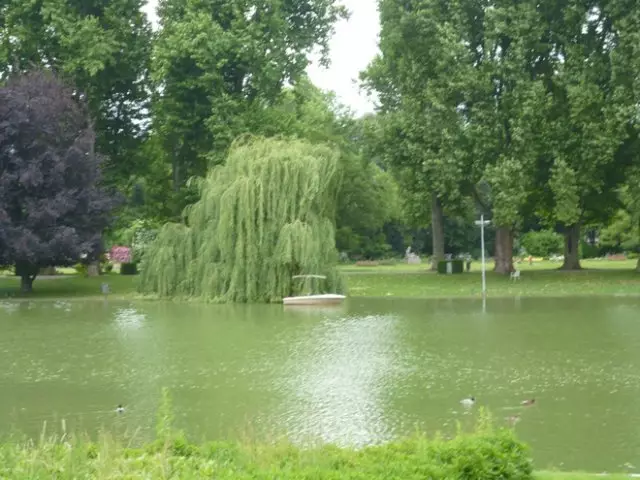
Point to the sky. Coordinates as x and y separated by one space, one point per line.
353 45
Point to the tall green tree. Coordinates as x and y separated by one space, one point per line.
594 106
543 96
416 79
505 105
264 216
102 47
368 196
216 60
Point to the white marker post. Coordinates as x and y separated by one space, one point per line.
482 223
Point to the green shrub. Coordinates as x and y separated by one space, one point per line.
543 243
81 268
457 266
108 267
589 251
129 269
486 455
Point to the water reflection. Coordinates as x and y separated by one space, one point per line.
9 307
338 381
129 318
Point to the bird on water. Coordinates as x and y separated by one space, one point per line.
467 402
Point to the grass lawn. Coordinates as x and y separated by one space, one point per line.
599 277
71 285
577 476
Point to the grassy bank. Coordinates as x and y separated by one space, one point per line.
71 286
486 454
599 277
577 476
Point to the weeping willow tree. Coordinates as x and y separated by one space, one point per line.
264 216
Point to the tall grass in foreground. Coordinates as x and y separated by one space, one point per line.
483 454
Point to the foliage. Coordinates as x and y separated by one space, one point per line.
368 200
100 47
368 197
138 234
217 63
51 208
534 99
452 105
129 268
486 453
542 244
264 217
588 250
81 269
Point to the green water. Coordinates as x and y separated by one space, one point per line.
366 372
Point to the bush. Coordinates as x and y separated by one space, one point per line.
81 269
589 251
543 243
486 455
129 269
457 266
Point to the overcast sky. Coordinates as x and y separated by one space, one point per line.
353 46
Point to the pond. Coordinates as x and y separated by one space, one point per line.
366 372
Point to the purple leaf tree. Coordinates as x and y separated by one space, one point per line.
52 209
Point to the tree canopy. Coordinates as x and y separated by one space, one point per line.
526 112
217 63
263 217
51 208
102 48
536 100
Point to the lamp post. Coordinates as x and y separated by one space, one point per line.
482 222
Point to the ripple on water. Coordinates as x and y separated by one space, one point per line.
129 318
9 307
337 381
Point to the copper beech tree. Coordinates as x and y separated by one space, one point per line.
52 209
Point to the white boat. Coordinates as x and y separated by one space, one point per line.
319 299
325 299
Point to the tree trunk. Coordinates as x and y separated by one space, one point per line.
27 274
504 251
571 248
93 270
437 231
638 266
26 283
